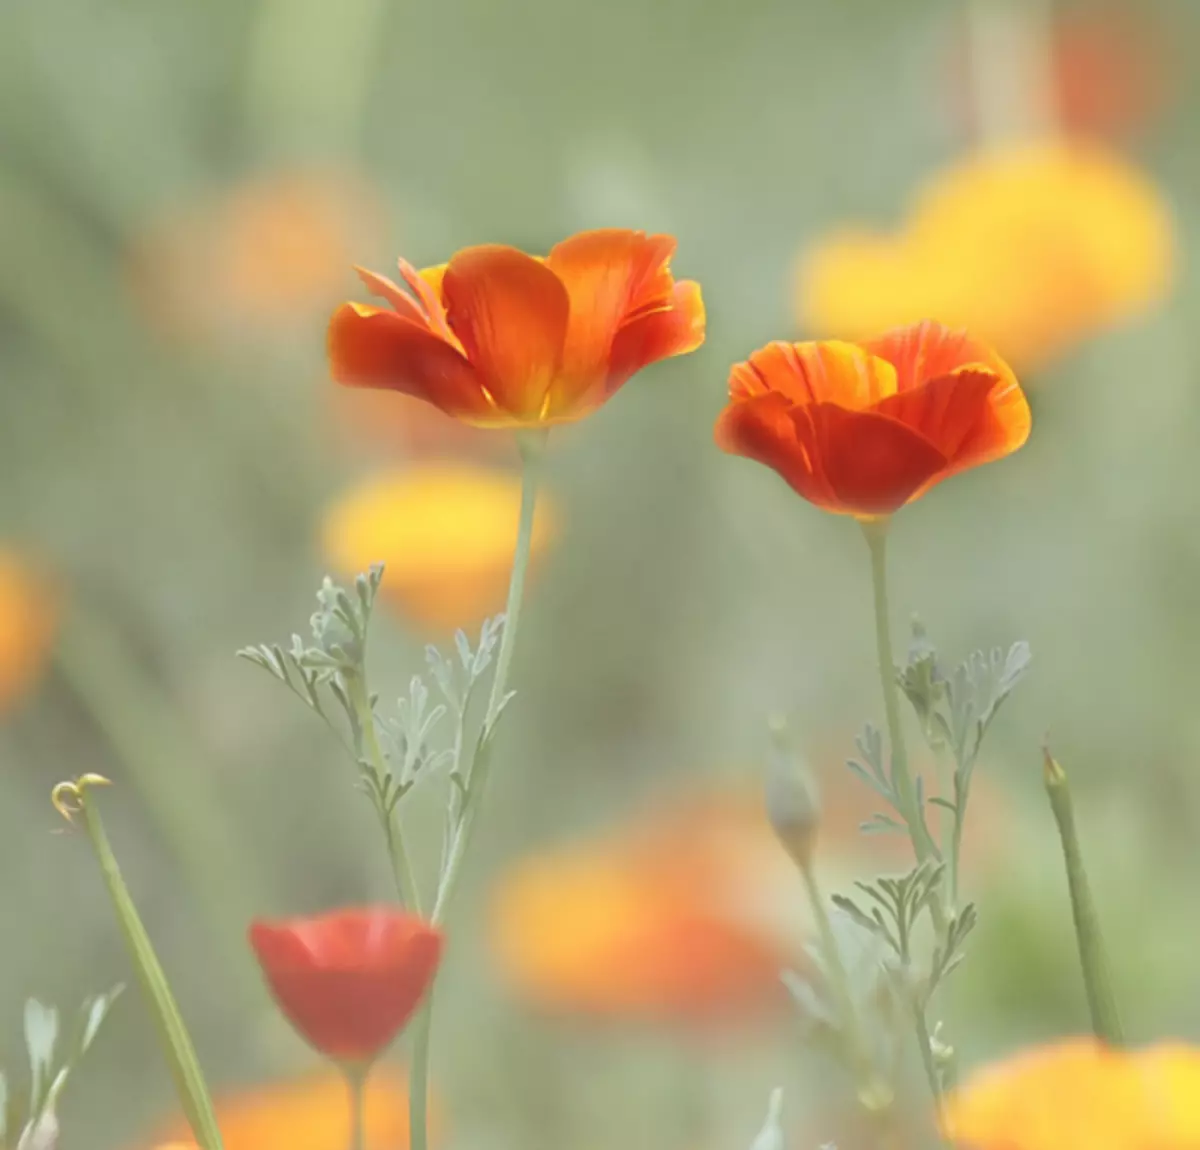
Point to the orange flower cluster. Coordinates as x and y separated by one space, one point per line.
1079 1093
1032 247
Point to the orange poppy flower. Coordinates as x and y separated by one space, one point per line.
349 980
1081 1093
445 532
1030 246
498 338
311 1112
862 429
28 617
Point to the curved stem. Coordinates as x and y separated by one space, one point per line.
474 774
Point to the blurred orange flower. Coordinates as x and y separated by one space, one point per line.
862 429
270 250
28 619
307 1113
1080 1093
1031 246
446 532
498 338
686 913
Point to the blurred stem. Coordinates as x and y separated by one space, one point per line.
1010 53
876 531
925 1044
532 445
141 727
367 745
356 1081
1097 977
871 1091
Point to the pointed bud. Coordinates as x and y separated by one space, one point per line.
793 807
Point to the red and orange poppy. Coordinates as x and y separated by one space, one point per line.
348 981
864 428
498 338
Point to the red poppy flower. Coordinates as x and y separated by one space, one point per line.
863 428
498 338
349 980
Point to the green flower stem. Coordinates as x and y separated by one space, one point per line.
1097 978
356 1080
925 1045
875 531
874 1094
73 798
366 739
474 773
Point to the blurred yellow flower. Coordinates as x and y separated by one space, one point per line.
307 1113
28 618
1032 247
271 251
1078 1093
446 532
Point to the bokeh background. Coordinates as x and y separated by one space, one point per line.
183 191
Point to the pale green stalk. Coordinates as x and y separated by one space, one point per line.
71 799
1093 958
474 773
875 531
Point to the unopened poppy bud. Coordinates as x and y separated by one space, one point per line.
793 806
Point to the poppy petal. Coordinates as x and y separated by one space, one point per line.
426 285
829 371
872 464
374 347
762 429
658 335
510 313
610 275
923 351
402 303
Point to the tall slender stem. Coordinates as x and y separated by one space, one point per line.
1093 958
356 1081
875 531
532 445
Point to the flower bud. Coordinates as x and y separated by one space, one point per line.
793 807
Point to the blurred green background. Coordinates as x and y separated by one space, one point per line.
167 450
